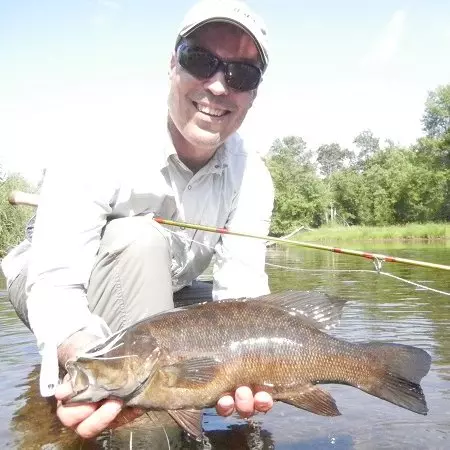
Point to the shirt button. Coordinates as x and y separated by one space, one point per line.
217 166
189 187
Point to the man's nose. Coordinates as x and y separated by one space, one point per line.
217 84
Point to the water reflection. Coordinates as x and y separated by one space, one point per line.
379 308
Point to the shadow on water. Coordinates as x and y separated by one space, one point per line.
379 308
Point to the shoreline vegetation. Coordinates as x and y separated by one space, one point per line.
408 232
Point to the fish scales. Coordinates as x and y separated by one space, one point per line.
251 334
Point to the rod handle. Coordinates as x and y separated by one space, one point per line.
23 198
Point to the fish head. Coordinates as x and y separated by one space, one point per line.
119 373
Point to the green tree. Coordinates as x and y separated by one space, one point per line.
300 195
349 194
401 189
291 149
331 158
367 145
434 154
436 118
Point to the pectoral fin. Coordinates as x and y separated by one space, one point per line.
196 370
190 420
312 399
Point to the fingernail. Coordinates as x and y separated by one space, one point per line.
226 402
243 392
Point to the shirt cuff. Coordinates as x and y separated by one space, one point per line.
70 307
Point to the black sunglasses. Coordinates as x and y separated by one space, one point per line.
201 63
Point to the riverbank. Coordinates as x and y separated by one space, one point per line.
428 231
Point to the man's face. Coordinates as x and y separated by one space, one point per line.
206 111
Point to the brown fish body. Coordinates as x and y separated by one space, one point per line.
186 359
257 345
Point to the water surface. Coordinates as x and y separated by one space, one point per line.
379 308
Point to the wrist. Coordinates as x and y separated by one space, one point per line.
82 339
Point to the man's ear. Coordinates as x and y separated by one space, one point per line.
254 95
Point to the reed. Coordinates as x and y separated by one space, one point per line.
426 231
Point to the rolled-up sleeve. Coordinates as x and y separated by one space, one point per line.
239 268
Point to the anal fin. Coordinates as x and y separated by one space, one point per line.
190 420
310 398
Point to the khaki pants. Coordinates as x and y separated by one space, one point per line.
131 278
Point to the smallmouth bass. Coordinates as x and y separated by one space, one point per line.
185 359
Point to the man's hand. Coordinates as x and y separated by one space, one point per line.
244 403
88 419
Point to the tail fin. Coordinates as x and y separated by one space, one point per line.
397 374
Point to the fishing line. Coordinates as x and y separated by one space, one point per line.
377 263
107 358
296 269
106 348
155 423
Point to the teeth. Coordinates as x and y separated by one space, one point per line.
210 111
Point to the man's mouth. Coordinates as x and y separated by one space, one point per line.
212 112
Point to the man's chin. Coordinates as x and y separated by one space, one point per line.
202 138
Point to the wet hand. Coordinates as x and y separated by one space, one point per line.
244 403
88 420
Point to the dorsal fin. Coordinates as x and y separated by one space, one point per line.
321 310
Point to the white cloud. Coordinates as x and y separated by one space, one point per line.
387 44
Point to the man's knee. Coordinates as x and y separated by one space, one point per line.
18 298
132 274
137 235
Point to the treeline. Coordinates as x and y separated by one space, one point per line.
378 184
12 218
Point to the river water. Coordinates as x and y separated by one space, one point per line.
380 307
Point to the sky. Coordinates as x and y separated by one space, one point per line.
336 68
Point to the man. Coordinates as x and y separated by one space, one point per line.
99 262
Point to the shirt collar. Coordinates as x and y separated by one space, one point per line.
217 164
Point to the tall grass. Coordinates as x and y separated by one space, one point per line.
12 218
426 231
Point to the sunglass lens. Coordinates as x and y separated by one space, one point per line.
197 62
243 77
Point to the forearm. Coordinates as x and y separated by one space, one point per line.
69 220
239 268
56 315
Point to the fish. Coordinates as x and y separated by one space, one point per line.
183 360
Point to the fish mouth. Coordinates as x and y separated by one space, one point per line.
83 389
78 377
86 388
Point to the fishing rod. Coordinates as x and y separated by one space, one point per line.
23 198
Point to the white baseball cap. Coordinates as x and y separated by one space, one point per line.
230 11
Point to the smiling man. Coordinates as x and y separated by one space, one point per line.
98 262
